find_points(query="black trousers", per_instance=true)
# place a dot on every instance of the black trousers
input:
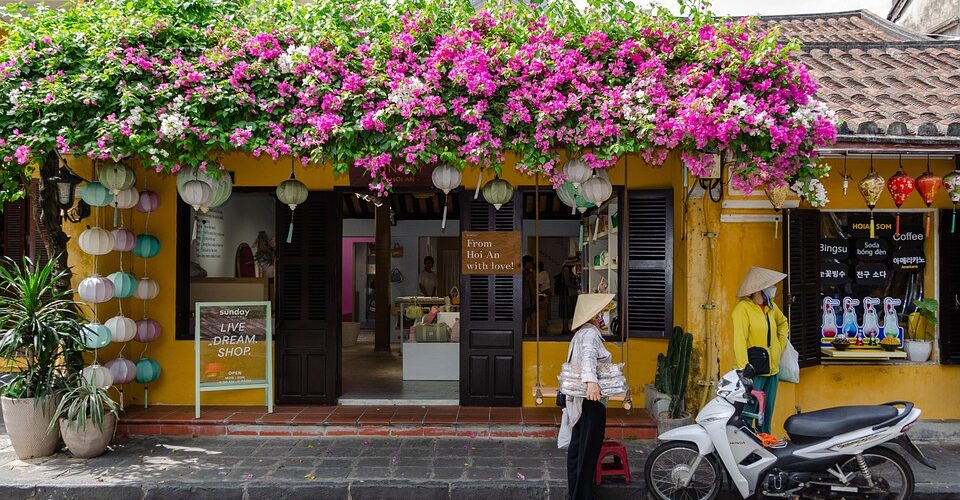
(584, 450)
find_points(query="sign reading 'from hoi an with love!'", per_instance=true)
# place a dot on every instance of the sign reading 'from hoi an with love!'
(233, 348)
(490, 252)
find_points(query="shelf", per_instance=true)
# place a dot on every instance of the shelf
(604, 268)
(862, 354)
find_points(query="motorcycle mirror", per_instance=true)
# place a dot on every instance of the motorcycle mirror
(749, 371)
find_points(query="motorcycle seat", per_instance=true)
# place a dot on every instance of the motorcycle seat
(833, 421)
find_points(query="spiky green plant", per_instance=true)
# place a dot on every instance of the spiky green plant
(82, 401)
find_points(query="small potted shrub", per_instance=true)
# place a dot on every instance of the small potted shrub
(840, 342)
(87, 418)
(920, 328)
(890, 343)
(41, 329)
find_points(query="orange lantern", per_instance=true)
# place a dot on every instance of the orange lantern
(928, 185)
(900, 187)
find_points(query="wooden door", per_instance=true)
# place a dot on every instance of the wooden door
(801, 303)
(490, 317)
(308, 302)
(949, 291)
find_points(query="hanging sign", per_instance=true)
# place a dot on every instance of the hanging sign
(909, 259)
(858, 224)
(834, 274)
(872, 249)
(233, 348)
(871, 274)
(398, 175)
(490, 252)
(910, 236)
(834, 248)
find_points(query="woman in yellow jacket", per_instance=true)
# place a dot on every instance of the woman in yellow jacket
(760, 332)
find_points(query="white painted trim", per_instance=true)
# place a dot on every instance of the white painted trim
(758, 204)
(745, 218)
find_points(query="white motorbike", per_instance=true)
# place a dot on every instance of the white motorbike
(831, 454)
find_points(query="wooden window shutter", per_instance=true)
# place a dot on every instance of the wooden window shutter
(802, 286)
(36, 249)
(649, 225)
(949, 292)
(15, 229)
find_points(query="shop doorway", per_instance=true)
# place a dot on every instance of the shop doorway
(421, 366)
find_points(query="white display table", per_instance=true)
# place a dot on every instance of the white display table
(431, 360)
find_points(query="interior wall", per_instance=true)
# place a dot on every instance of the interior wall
(237, 221)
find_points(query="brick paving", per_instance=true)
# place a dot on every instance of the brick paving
(244, 468)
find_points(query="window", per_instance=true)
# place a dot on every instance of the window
(649, 226)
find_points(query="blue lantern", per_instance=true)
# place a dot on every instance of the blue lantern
(96, 336)
(124, 284)
(147, 370)
(95, 194)
(147, 246)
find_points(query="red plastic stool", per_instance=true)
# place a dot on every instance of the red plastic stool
(618, 467)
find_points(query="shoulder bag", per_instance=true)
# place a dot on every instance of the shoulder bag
(759, 357)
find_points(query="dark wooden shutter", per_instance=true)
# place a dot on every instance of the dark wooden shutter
(802, 286)
(490, 345)
(949, 292)
(308, 309)
(649, 237)
(36, 249)
(16, 222)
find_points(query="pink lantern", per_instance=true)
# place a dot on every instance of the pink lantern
(148, 202)
(123, 239)
(123, 370)
(96, 289)
(148, 330)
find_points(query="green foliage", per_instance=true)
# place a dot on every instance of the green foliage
(673, 370)
(927, 311)
(42, 326)
(81, 400)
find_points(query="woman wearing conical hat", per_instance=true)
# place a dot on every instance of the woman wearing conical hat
(584, 419)
(759, 334)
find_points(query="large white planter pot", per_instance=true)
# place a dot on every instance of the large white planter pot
(27, 421)
(664, 423)
(351, 330)
(918, 350)
(655, 401)
(90, 442)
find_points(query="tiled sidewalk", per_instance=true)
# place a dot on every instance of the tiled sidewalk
(370, 421)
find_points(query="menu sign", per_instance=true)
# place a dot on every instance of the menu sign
(490, 252)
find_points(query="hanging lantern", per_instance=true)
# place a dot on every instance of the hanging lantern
(122, 328)
(220, 189)
(446, 178)
(147, 370)
(123, 370)
(900, 186)
(123, 239)
(928, 185)
(117, 177)
(597, 189)
(147, 330)
(126, 198)
(870, 188)
(66, 182)
(497, 192)
(952, 184)
(291, 193)
(96, 241)
(96, 289)
(147, 246)
(124, 284)
(570, 197)
(148, 201)
(197, 194)
(777, 196)
(96, 336)
(147, 289)
(98, 376)
(95, 194)
(576, 171)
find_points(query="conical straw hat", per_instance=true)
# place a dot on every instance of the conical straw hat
(757, 279)
(588, 306)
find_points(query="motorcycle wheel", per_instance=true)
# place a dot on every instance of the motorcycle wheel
(888, 470)
(672, 461)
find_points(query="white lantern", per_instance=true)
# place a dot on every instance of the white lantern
(597, 189)
(291, 193)
(498, 192)
(122, 370)
(96, 241)
(446, 178)
(123, 239)
(117, 177)
(98, 376)
(126, 198)
(196, 193)
(220, 189)
(147, 289)
(148, 330)
(96, 289)
(576, 171)
(148, 202)
(123, 328)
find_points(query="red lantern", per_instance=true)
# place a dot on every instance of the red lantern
(900, 187)
(928, 185)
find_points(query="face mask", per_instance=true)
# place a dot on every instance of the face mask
(770, 292)
(602, 319)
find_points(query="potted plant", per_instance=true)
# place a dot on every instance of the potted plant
(41, 328)
(921, 325)
(87, 418)
(676, 371)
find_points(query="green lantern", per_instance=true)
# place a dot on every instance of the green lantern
(571, 197)
(497, 192)
(147, 246)
(147, 370)
(95, 194)
(291, 193)
(96, 336)
(117, 177)
(124, 284)
(220, 189)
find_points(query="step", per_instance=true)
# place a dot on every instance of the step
(370, 421)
